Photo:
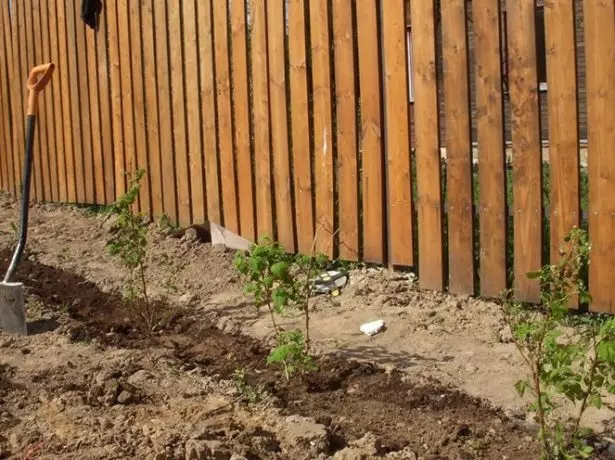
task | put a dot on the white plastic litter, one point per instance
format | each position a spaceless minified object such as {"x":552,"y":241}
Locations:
{"x":373,"y":327}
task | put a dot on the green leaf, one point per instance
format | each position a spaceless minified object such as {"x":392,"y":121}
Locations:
{"x":280,"y":270}
{"x":521,"y":386}
{"x":534,"y":275}
{"x":595,"y":401}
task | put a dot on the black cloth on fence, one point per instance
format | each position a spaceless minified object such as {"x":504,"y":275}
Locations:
{"x":90,"y":11}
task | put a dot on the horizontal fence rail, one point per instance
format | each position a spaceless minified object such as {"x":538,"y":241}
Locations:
{"x":463,"y":138}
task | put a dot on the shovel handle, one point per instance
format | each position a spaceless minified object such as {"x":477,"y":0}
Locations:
{"x":38,"y":79}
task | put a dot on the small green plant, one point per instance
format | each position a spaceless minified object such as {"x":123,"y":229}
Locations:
{"x":567,"y":359}
{"x":129,"y":244}
{"x":282,"y":282}
{"x":246,"y":391}
{"x":291,"y":354}
{"x":267,"y":267}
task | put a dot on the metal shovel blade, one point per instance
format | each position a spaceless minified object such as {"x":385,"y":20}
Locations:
{"x":12,"y":310}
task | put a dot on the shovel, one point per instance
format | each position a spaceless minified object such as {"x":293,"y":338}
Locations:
{"x":12,"y":311}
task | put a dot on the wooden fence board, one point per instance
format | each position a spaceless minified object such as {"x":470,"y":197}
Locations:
{"x":241,"y":123}
{"x":5,"y":150}
{"x":42,"y":160}
{"x":5,"y":61}
{"x":37,"y":172}
{"x":49,"y":101}
{"x":125,"y":57}
{"x":279,"y":124}
{"x":490,"y":130}
{"x":458,"y":147}
{"x":300,"y":125}
{"x":195,"y":143}
{"x":115,"y":80}
{"x":563,"y":123}
{"x":525,"y":119}
{"x":164,"y":110}
{"x":347,"y":164}
{"x":106,"y":132}
{"x":40,"y":57}
{"x":63,"y":74}
{"x":18,"y":105}
{"x":13,"y":95}
{"x":323,"y":125}
{"x":93,"y":105}
{"x":225,"y":128}
{"x":84,"y":109}
{"x":75,"y":112}
{"x":262,"y":147}
{"x":371,"y":131}
{"x":208,"y":113}
{"x":182,"y":173}
{"x":138,"y":100}
{"x":397,"y":133}
{"x":151,"y":107}
{"x":600,"y":63}
{"x":431,"y":257}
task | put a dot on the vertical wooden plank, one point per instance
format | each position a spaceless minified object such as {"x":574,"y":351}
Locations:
{"x":343,"y":34}
{"x":208,"y":114}
{"x":371,"y":131}
{"x":106,"y":133}
{"x":525,"y":124}
{"x":600,"y":64}
{"x":139,"y":78}
{"x":242,"y":119}
{"x":75,"y":110}
{"x":563,"y":122}
{"x":10,"y":69}
{"x":115,"y":80}
{"x":63,"y":74}
{"x":83,"y":68}
{"x":19,"y":94}
{"x":4,"y":127}
{"x":164,"y":110}
{"x":225,"y":128}
{"x":490,"y":129}
{"x":431,"y":261}
{"x":279,"y":124}
{"x":56,"y":87}
{"x":49,"y":101}
{"x":458,"y":147}
{"x":300,"y":125}
{"x":7,"y":139}
{"x":193,"y":100}
{"x":182,"y":175}
{"x":77,"y":122}
{"x":262,"y":147}
{"x":323,"y":126}
{"x":125,"y":50}
{"x":151,"y":107}
{"x":45,"y":147}
{"x":397,"y":132}
{"x":93,"y":107}
{"x":37,"y":183}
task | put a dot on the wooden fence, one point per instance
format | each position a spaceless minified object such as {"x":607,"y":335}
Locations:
{"x":292,"y":118}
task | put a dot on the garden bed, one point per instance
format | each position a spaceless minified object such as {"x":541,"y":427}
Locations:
{"x":87,"y":384}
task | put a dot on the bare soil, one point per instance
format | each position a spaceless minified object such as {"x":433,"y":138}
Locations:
{"x":86,"y":383}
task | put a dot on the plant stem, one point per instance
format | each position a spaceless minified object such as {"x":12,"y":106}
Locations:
{"x":541,"y":411}
{"x":590,"y":387}
{"x":273,"y":321}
